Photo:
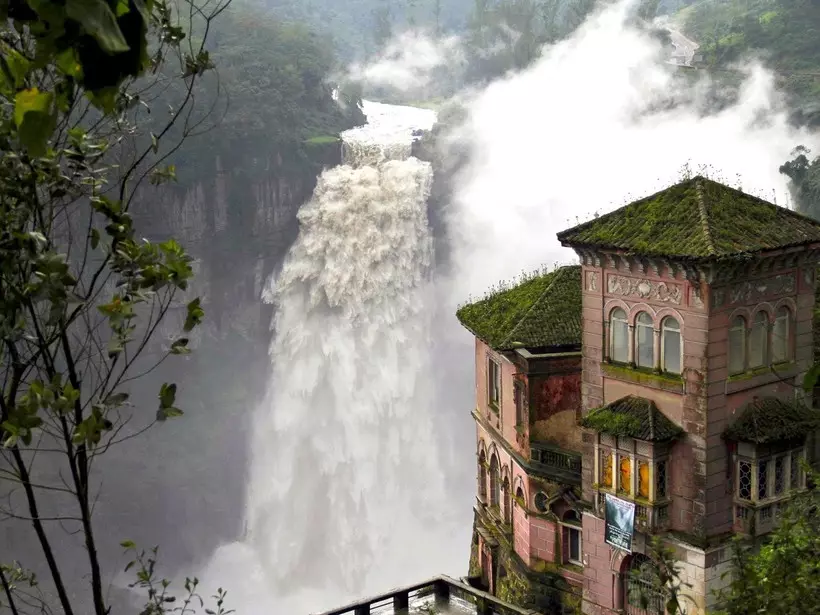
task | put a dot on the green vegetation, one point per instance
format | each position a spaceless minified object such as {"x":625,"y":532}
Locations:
{"x":696,"y":219}
{"x":633,"y":417}
{"x":82,"y":294}
{"x":783,"y":31}
{"x":538,"y":310}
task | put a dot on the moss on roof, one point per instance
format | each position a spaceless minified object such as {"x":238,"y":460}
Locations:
{"x":769,"y":419}
{"x":698,"y":219}
{"x":542,"y":311}
{"x":634,"y":417}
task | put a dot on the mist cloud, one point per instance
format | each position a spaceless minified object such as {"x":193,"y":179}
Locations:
{"x":409,"y":61}
{"x":587,"y":129}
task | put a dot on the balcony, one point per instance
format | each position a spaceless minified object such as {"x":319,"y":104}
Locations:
{"x":559,"y":464}
{"x":442,"y":595}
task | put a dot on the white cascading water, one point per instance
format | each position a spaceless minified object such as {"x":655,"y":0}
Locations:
{"x":346,"y":494}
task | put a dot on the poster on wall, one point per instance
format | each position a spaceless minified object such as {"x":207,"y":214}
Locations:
{"x":619,"y":523}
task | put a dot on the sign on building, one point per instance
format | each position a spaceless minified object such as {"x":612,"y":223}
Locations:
{"x":619,"y":522}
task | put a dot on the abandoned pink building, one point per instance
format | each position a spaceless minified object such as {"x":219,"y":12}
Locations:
{"x":654,"y":389}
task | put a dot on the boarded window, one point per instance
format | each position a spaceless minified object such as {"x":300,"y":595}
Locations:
{"x":625,"y":482}
{"x":643,"y":479}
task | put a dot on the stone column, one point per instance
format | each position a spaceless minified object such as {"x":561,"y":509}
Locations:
{"x":630,"y":355}
{"x":656,"y":341}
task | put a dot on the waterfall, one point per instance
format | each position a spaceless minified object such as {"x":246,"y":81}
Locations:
{"x":346,"y":491}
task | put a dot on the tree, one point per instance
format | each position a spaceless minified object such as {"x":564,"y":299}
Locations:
{"x":779,"y":574}
{"x":804,"y":181}
{"x":82,"y":297}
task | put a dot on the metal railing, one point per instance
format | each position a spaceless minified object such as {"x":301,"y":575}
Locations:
{"x":443,"y":589}
{"x":564,"y":464}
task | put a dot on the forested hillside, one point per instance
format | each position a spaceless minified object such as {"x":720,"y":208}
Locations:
{"x":785,"y":32}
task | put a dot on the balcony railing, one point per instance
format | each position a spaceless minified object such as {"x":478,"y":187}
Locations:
{"x":562,"y":464}
{"x":446,"y":594}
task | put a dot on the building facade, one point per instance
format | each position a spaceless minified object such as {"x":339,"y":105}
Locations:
{"x":664,"y":372}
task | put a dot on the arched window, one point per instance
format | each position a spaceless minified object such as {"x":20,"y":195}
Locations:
{"x":641,"y":596}
{"x":505,"y":488}
{"x":759,"y":340}
{"x":519,"y":496}
{"x":780,"y":335}
{"x":482,"y":476}
{"x":670,"y":345}
{"x":572,"y":538}
{"x":618,"y":336}
{"x":737,"y":345}
{"x":495,"y":483}
{"x":644,"y":341}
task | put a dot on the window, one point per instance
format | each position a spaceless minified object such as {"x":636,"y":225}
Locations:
{"x":660,"y":480}
{"x":644,"y":341}
{"x":519,"y":497}
{"x":518,"y":397}
{"x":618,"y":336}
{"x":606,"y":468}
{"x":572,"y":538}
{"x":542,"y":502}
{"x":737,"y":346}
{"x":759,"y":340}
{"x":744,"y":480}
{"x":671,"y":346}
{"x":763,"y":479}
{"x":779,"y":474}
{"x":780,"y":336}
{"x":495,"y":487}
{"x":505,"y":489}
{"x":625,"y":475}
{"x":643,"y":479}
{"x":795,"y":470}
{"x":641,"y":594}
{"x":493,"y":383}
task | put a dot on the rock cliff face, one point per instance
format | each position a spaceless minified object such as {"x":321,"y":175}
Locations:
{"x":237,"y":224}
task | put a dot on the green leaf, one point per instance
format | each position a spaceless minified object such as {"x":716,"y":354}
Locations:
{"x":128,"y":544}
{"x":811,"y":377}
{"x":154,"y":143}
{"x":180,"y":346}
{"x":68,"y":63}
{"x":98,"y":20}
{"x":194,"y":316}
{"x":18,"y":67}
{"x":116,"y":399}
{"x":35,"y":119}
{"x":167,"y":395}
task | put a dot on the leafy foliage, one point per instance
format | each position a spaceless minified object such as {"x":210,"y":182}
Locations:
{"x":81,"y":294}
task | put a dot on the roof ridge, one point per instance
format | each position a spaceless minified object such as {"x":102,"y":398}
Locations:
{"x":704,"y":215}
{"x":556,"y":272}
{"x":651,"y":420}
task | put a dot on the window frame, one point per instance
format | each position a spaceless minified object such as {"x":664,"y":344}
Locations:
{"x":678,"y":330}
{"x":738,"y":323}
{"x":783,"y":314}
{"x":493,"y":385}
{"x":622,"y":322}
{"x":792,"y":457}
{"x":615,"y":455}
{"x":495,"y":481}
{"x":639,"y":326}
{"x":568,"y":526}
{"x":760,"y":327}
{"x":518,"y":401}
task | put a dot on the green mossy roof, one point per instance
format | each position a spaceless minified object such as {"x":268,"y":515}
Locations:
{"x":770,"y":420}
{"x":543,"y":311}
{"x":634,"y":417}
{"x":698,"y":219}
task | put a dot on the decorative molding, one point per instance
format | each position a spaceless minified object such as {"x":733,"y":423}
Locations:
{"x":695,"y":297}
{"x":645,"y":289}
{"x":755,"y":291}
{"x":592,"y":281}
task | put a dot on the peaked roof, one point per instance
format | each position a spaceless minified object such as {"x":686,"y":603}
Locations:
{"x":634,"y":417}
{"x":540,"y":312}
{"x":697,"y":219}
{"x":769,"y":419}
